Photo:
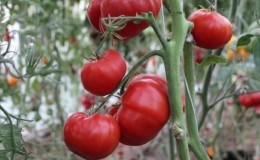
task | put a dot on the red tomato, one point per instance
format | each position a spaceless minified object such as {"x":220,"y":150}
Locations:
{"x":98,"y":9}
{"x":143,"y":113}
{"x":130,"y":8}
{"x":7,"y":36}
{"x":199,"y":54}
{"x":88,"y":100}
{"x":101,"y":76}
{"x":250,"y":99}
{"x":72,"y":40}
{"x":91,"y":137}
{"x":93,"y":13}
{"x":211,"y":30}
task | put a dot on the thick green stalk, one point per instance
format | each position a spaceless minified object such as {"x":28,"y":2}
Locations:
{"x":172,"y":67}
{"x":194,"y":140}
{"x":173,"y":51}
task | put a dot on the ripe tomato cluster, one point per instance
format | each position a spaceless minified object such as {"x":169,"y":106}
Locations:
{"x":211,"y":30}
{"x":250,"y":99}
{"x":143,"y":112}
{"x":99,"y":9}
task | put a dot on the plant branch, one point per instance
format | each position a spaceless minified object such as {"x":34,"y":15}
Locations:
{"x":172,"y":67}
{"x":194,"y":140}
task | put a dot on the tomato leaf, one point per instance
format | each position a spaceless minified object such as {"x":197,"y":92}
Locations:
{"x":5,"y":137}
{"x":243,"y":39}
{"x":213,"y":59}
{"x":256,"y":52}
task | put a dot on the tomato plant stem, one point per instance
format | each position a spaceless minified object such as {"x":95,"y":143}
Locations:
{"x":156,"y":29}
{"x":233,"y":9}
{"x":171,"y":144}
{"x":171,"y":59}
{"x":194,"y":140}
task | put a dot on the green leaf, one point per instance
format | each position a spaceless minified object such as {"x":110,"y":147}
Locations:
{"x":5,"y":136}
{"x":3,"y":157}
{"x":213,"y":59}
{"x":242,"y":40}
{"x":256,"y":52}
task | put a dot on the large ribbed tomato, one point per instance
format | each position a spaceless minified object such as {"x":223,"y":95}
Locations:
{"x":91,"y":137}
{"x":211,"y":30}
{"x":101,"y":76}
{"x":113,"y":8}
{"x":144,"y":111}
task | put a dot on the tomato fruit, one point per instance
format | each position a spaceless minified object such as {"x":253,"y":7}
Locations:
{"x":44,"y":60}
{"x":101,"y":76}
{"x":250,"y":99}
{"x":130,"y":8}
{"x":12,"y":81}
{"x":210,"y":152}
{"x":88,"y":100}
{"x":91,"y":137}
{"x":7,"y":36}
{"x":98,"y":9}
{"x":211,"y":30}
{"x":199,"y":54}
{"x":93,"y":13}
{"x":144,"y":111}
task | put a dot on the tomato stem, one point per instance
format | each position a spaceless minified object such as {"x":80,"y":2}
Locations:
{"x":171,"y":59}
{"x":194,"y":140}
{"x":157,"y":31}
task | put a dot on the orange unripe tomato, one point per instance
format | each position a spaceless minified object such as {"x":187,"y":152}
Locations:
{"x":44,"y":60}
{"x":210,"y":152}
{"x":12,"y":81}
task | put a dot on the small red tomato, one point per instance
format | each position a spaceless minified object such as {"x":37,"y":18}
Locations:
{"x":143,"y":113}
{"x":93,"y":13}
{"x":72,"y":40}
{"x":246,"y":100}
{"x":88,"y":100}
{"x":199,"y":54}
{"x":100,"y":77}
{"x":211,"y":30}
{"x":91,"y":137}
{"x":7,"y":36}
{"x":256,"y":97}
{"x":250,"y":99}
